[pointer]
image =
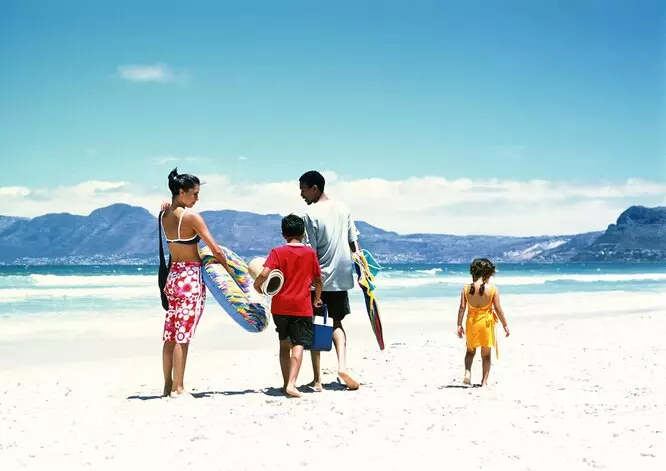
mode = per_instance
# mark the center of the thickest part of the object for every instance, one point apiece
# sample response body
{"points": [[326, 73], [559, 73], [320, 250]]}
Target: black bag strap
{"points": [[159, 237], [163, 271]]}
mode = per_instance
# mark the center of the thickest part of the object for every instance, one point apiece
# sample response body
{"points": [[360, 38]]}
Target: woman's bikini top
{"points": [[191, 241]]}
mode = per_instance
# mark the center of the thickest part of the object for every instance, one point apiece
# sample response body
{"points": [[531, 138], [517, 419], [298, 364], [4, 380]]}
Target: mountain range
{"points": [[124, 234]]}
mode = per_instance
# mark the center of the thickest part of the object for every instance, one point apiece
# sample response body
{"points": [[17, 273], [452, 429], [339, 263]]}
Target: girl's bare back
{"points": [[480, 300]]}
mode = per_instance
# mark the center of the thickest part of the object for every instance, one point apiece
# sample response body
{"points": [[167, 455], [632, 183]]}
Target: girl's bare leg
{"points": [[469, 359], [485, 360]]}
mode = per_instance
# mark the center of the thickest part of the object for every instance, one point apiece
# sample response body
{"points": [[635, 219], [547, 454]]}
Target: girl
{"points": [[183, 290], [479, 298]]}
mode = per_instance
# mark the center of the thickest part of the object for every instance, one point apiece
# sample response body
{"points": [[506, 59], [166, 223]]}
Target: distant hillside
{"points": [[123, 234], [639, 235], [112, 234]]}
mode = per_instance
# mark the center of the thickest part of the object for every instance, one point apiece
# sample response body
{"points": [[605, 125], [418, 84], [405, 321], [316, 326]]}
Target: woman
{"points": [[184, 289]]}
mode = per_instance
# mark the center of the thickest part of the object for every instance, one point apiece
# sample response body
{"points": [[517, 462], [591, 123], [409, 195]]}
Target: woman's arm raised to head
{"points": [[200, 227]]}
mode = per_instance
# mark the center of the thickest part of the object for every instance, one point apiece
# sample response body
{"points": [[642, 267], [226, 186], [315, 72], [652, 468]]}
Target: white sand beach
{"points": [[580, 384]]}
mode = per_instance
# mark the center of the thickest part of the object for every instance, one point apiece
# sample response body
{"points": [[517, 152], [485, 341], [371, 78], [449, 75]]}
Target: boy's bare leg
{"points": [[469, 359], [316, 370], [340, 342], [294, 368], [285, 352], [167, 366], [485, 361]]}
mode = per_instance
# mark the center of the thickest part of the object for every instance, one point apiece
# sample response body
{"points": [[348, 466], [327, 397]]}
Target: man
{"points": [[331, 232]]}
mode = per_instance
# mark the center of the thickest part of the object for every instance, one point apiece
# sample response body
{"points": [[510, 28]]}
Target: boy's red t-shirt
{"points": [[299, 265]]}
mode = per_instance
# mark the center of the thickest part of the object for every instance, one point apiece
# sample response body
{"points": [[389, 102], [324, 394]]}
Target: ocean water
{"points": [[68, 290]]}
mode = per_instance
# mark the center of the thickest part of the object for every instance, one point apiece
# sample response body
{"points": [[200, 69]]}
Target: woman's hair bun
{"points": [[184, 181], [174, 184]]}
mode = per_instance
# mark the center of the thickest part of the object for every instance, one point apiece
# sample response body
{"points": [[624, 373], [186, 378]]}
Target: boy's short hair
{"points": [[293, 226]]}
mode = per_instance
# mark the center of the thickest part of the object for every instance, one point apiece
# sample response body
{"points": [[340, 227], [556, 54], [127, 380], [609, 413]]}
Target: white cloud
{"points": [[14, 191], [424, 204], [93, 187], [147, 73], [81, 198]]}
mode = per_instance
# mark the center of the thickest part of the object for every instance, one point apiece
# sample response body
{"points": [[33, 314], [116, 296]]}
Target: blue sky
{"points": [[569, 91]]}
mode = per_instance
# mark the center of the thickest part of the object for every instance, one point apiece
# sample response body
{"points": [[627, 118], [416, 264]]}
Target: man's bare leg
{"points": [[316, 370], [469, 359], [167, 366], [294, 368], [285, 352], [340, 342], [485, 361]]}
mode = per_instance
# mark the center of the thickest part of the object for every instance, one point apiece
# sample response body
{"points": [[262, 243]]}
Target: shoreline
{"points": [[30, 339], [402, 263]]}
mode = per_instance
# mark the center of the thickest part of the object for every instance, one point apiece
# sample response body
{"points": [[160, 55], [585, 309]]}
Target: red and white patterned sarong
{"points": [[186, 294]]}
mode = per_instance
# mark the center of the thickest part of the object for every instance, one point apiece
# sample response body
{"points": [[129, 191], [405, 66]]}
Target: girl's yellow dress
{"points": [[480, 324]]}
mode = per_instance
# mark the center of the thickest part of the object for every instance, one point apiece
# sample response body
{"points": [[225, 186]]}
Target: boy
{"points": [[292, 305]]}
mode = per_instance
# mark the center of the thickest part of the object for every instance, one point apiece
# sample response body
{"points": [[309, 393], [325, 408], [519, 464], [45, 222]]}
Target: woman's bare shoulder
{"points": [[192, 218], [188, 213]]}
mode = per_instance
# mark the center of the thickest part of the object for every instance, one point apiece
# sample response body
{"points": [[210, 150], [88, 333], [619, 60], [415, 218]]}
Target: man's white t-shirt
{"points": [[329, 229]]}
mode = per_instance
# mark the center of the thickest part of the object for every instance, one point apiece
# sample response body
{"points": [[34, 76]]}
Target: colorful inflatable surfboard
{"points": [[235, 294], [366, 270]]}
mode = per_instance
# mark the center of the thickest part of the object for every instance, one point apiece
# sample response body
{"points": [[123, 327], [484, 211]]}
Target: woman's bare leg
{"points": [[179, 355], [185, 351], [167, 366]]}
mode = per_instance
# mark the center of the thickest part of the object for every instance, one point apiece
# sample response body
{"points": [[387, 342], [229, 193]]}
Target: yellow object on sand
{"points": [[480, 324]]}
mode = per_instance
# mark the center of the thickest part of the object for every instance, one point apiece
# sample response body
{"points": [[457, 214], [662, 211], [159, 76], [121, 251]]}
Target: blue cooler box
{"points": [[322, 336]]}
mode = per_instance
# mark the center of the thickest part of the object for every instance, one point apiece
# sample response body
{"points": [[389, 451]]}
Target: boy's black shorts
{"points": [[337, 303], [297, 329]]}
